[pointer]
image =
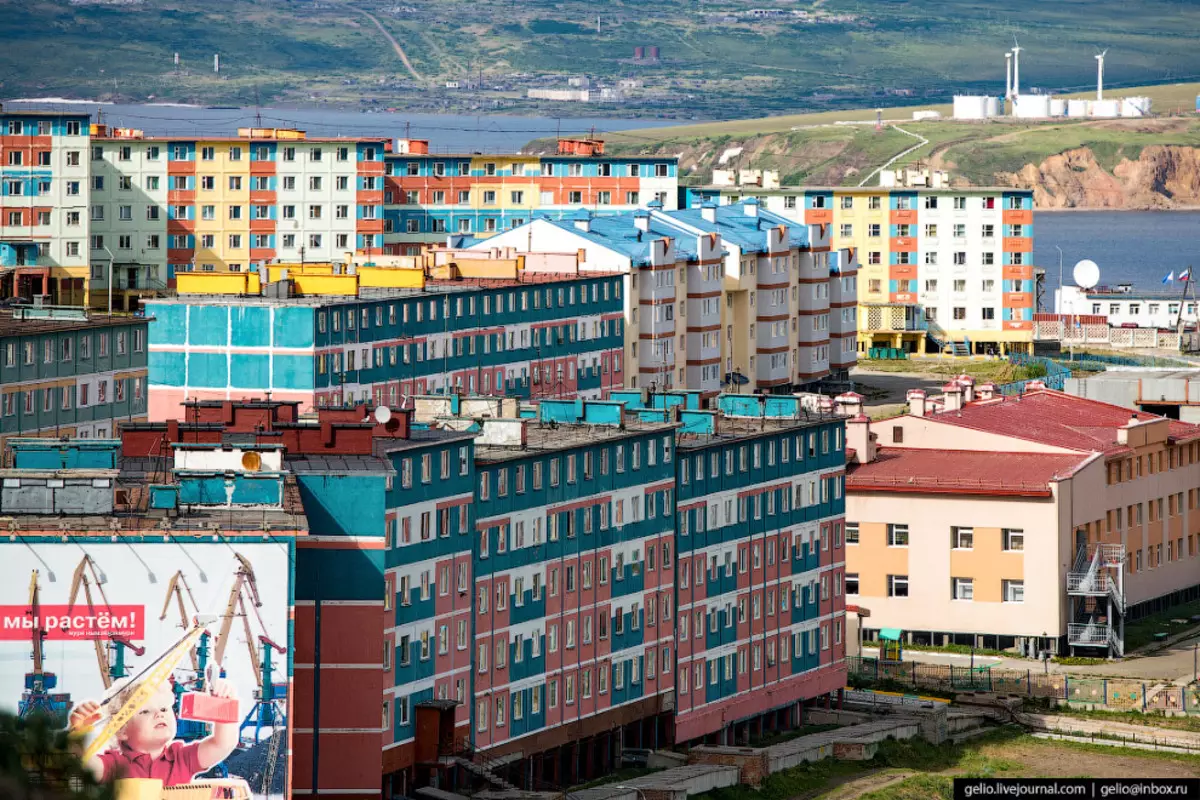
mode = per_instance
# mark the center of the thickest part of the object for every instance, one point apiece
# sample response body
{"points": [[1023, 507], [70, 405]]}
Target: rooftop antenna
{"points": [[1100, 74], [257, 110]]}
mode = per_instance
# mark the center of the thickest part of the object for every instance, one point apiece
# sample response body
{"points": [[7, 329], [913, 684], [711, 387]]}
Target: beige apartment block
{"points": [[1038, 522]]}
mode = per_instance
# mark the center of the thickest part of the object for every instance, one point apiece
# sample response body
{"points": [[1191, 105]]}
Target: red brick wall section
{"points": [[753, 764]]}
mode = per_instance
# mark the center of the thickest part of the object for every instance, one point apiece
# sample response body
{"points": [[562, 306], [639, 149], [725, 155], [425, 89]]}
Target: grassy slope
{"points": [[711, 66]]}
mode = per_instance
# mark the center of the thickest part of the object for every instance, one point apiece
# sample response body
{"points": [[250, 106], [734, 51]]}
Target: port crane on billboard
{"points": [[109, 656], [37, 697], [244, 601]]}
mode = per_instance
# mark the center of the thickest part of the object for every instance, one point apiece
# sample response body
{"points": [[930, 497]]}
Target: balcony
{"points": [[1090, 634]]}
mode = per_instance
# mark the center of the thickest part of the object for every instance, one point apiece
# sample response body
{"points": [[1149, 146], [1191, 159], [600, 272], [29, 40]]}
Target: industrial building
{"points": [[44, 206], [1172, 393], [730, 295], [430, 195], [939, 269], [1041, 522], [67, 372], [1040, 105]]}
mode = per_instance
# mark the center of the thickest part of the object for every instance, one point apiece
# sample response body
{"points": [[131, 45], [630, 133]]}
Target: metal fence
{"points": [[1114, 694], [1055, 377]]}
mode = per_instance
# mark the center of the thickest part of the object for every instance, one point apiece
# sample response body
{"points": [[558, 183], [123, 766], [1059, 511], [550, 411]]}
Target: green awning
{"points": [[891, 634]]}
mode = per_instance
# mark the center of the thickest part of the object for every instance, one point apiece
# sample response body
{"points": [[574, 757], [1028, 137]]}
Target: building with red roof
{"points": [[1037, 522]]}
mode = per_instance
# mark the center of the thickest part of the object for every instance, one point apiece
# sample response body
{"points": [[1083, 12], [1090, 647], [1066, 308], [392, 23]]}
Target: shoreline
{"points": [[1103, 210]]}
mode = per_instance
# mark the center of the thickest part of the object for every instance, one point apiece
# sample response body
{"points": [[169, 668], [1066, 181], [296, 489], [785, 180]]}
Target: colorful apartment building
{"points": [[760, 612], [428, 594], [65, 372], [429, 196], [729, 296], [160, 206], [43, 205], [1040, 522], [940, 268], [304, 333], [574, 586]]}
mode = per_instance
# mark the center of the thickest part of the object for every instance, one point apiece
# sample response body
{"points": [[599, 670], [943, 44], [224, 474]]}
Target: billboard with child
{"points": [[169, 658]]}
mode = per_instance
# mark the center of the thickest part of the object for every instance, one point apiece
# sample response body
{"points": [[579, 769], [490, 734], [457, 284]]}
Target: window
{"points": [[851, 583], [1014, 539], [1014, 591], [962, 538], [963, 588], [897, 585], [897, 536]]}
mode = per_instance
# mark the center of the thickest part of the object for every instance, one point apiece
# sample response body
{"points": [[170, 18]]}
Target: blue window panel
{"points": [[292, 373], [293, 327], [249, 370], [170, 323], [257, 491], [208, 370], [208, 325], [167, 369], [250, 326]]}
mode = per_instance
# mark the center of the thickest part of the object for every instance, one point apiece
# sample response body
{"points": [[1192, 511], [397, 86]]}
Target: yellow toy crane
{"points": [[144, 686]]}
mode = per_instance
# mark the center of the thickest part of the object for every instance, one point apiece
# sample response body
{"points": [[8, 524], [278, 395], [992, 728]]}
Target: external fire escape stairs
{"points": [[482, 767], [1096, 593]]}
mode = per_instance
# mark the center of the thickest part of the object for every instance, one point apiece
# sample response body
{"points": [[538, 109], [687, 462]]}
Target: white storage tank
{"points": [[1135, 107], [995, 106], [1033, 106], [1105, 109], [1077, 108], [970, 106], [1058, 107]]}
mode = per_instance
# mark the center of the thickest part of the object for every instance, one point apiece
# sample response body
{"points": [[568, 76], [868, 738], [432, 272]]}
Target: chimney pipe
{"points": [[860, 439], [916, 402], [952, 397], [708, 212]]}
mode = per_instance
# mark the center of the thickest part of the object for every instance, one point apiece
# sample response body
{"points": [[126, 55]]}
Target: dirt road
{"points": [[395, 45]]}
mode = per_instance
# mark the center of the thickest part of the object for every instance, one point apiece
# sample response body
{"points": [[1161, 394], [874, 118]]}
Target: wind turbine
{"points": [[1016, 51], [1100, 74]]}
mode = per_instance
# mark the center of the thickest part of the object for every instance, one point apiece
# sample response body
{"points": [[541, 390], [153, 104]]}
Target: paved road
{"points": [[892, 385], [1173, 664]]}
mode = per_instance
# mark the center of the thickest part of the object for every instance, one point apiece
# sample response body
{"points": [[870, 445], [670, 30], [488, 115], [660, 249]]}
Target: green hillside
{"points": [[718, 58]]}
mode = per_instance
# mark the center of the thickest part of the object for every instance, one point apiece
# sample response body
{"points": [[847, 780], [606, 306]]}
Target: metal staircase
{"points": [[1096, 593], [960, 349], [479, 765]]}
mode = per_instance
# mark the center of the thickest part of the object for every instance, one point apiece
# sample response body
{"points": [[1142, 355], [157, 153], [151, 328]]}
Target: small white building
{"points": [[1124, 306]]}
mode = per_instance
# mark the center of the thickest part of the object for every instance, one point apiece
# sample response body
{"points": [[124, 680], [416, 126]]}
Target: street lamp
{"points": [[1060, 303]]}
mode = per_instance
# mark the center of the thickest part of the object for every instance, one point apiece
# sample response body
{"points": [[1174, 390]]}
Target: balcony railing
{"points": [[1090, 634]]}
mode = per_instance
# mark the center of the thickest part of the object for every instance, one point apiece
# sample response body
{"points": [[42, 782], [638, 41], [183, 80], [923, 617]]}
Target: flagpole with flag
{"points": [[1170, 278], [1185, 277]]}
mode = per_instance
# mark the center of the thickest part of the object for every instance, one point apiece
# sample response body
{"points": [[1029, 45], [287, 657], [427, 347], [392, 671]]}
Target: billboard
{"points": [[194, 636]]}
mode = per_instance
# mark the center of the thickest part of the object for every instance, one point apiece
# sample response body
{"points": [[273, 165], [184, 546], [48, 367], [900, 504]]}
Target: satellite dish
{"points": [[251, 461], [383, 415], [1086, 274]]}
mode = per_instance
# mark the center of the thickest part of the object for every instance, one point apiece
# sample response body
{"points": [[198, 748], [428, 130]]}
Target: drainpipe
{"points": [[111, 259]]}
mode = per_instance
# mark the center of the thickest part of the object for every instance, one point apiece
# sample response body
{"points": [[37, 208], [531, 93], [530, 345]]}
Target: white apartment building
{"points": [[43, 204]]}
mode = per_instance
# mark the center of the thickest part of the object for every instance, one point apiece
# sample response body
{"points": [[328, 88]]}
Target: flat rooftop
{"points": [[14, 323], [733, 429], [132, 514], [418, 437], [546, 437]]}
